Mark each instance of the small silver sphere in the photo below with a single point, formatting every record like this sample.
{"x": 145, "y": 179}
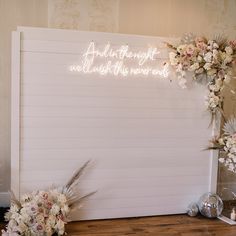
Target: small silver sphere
{"x": 210, "y": 205}
{"x": 192, "y": 209}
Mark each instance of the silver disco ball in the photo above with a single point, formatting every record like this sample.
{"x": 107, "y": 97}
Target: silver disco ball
{"x": 210, "y": 205}
{"x": 192, "y": 209}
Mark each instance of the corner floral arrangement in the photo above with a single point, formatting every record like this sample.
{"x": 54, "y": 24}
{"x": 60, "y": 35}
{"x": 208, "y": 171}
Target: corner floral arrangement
{"x": 227, "y": 144}
{"x": 44, "y": 212}
{"x": 209, "y": 61}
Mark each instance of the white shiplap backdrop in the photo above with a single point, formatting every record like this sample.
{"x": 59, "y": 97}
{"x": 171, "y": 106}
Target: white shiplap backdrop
{"x": 145, "y": 136}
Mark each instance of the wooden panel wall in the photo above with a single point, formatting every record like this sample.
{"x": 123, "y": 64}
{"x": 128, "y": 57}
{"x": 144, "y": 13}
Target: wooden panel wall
{"x": 145, "y": 136}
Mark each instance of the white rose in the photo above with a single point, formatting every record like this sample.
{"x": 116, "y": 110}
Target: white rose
{"x": 229, "y": 50}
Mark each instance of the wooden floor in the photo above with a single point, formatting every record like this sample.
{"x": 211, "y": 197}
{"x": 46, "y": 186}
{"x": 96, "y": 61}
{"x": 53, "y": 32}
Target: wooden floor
{"x": 179, "y": 225}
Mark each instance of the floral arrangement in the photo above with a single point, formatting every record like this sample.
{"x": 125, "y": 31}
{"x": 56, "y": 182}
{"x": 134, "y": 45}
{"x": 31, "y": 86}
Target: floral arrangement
{"x": 227, "y": 144}
{"x": 208, "y": 60}
{"x": 44, "y": 212}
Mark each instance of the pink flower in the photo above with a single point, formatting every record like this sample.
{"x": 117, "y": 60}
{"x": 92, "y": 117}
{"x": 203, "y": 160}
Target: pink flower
{"x": 39, "y": 227}
{"x": 232, "y": 43}
{"x": 201, "y": 43}
{"x": 190, "y": 49}
{"x": 49, "y": 205}
{"x": 234, "y": 136}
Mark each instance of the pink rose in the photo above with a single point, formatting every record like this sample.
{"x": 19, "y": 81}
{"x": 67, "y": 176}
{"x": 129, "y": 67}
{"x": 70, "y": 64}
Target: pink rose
{"x": 190, "y": 50}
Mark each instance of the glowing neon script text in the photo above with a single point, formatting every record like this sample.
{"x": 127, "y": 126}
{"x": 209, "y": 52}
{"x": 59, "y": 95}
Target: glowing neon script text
{"x": 115, "y": 62}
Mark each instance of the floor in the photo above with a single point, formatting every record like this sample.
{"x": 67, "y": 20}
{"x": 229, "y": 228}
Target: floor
{"x": 178, "y": 225}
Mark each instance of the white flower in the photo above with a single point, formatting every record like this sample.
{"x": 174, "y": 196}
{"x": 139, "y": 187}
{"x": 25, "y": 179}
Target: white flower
{"x": 199, "y": 58}
{"x": 22, "y": 227}
{"x": 208, "y": 57}
{"x": 221, "y": 141}
{"x": 207, "y": 66}
{"x": 9, "y": 233}
{"x": 40, "y": 218}
{"x": 60, "y": 226}
{"x": 199, "y": 71}
{"x": 228, "y": 59}
{"x": 214, "y": 87}
{"x": 221, "y": 160}
{"x": 181, "y": 48}
{"x": 14, "y": 209}
{"x": 55, "y": 209}
{"x": 212, "y": 100}
{"x": 215, "y": 53}
{"x": 51, "y": 220}
{"x": 215, "y": 45}
{"x": 194, "y": 67}
{"x": 228, "y": 50}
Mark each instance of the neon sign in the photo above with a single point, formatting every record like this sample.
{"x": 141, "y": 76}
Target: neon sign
{"x": 120, "y": 61}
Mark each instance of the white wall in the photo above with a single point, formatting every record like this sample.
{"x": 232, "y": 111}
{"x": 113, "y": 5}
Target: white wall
{"x": 149, "y": 17}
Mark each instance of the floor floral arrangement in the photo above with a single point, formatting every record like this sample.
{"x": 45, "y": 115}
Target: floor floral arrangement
{"x": 44, "y": 212}
{"x": 227, "y": 144}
